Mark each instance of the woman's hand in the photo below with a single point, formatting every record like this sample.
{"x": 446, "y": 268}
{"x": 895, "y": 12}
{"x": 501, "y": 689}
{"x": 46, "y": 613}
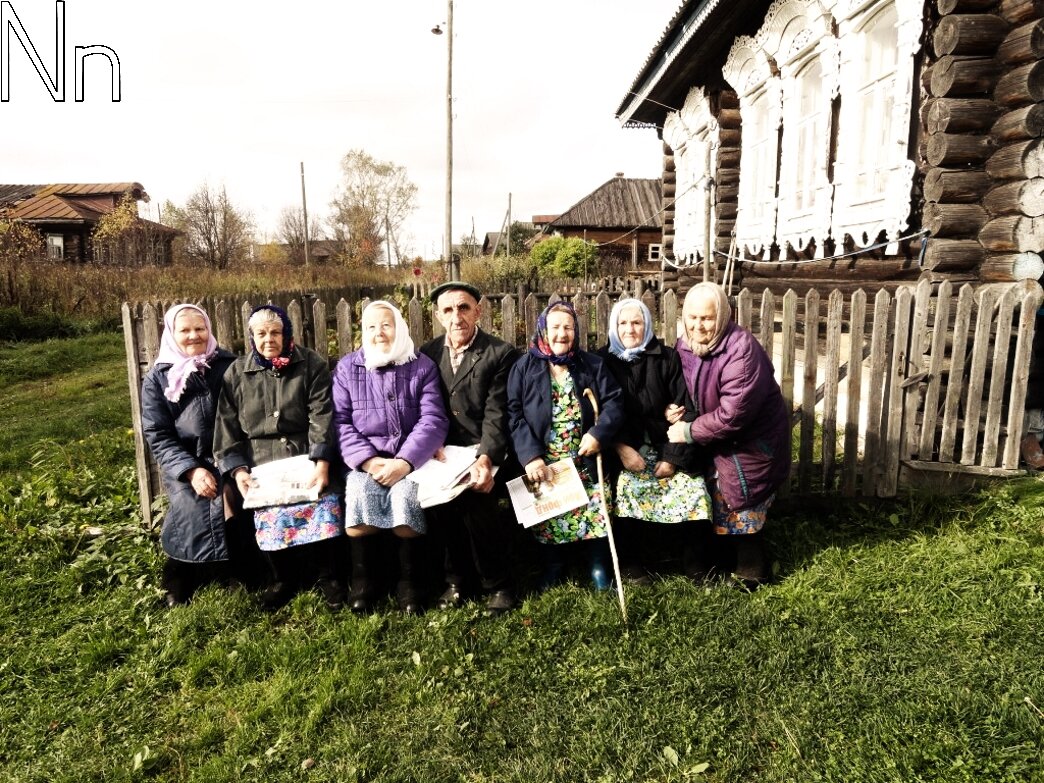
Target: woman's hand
{"x": 373, "y": 466}
{"x": 243, "y": 481}
{"x": 321, "y": 475}
{"x": 392, "y": 471}
{"x": 537, "y": 471}
{"x": 588, "y": 445}
{"x": 674, "y": 413}
{"x": 676, "y": 432}
{"x": 203, "y": 482}
{"x": 630, "y": 458}
{"x": 664, "y": 470}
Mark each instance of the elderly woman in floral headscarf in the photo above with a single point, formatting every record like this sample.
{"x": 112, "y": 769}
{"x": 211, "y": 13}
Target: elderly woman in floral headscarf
{"x": 550, "y": 419}
{"x": 741, "y": 421}
{"x": 275, "y": 403}
{"x": 179, "y": 400}
{"x": 655, "y": 481}
{"x": 390, "y": 420}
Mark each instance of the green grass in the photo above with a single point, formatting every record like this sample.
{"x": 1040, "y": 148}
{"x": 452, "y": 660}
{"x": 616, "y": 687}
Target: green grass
{"x": 900, "y": 642}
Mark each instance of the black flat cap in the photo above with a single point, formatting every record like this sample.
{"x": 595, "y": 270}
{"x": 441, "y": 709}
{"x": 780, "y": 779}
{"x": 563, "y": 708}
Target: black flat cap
{"x": 454, "y": 285}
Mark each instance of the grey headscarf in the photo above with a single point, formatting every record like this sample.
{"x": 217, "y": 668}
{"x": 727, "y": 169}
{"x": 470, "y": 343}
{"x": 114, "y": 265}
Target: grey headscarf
{"x": 724, "y": 314}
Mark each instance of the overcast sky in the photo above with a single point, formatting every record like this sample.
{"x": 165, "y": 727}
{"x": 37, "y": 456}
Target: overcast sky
{"x": 240, "y": 94}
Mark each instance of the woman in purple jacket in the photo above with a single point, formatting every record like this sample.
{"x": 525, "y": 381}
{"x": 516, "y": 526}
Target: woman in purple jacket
{"x": 390, "y": 420}
{"x": 741, "y": 420}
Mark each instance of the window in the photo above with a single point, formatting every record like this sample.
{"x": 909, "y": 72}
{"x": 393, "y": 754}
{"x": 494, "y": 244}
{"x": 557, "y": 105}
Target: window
{"x": 654, "y": 252}
{"x": 55, "y": 247}
{"x": 692, "y": 135}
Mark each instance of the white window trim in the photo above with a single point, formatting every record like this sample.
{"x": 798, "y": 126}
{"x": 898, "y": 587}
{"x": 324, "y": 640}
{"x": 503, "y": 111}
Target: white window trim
{"x": 691, "y": 133}
{"x": 56, "y": 242}
{"x": 889, "y": 212}
{"x": 749, "y": 72}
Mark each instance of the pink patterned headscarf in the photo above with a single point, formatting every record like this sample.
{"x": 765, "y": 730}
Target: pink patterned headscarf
{"x": 181, "y": 365}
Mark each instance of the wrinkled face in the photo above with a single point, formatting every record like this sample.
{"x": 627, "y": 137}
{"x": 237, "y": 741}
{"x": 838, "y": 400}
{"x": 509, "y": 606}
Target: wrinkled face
{"x": 378, "y": 325}
{"x": 630, "y": 326}
{"x": 560, "y": 332}
{"x": 268, "y": 337}
{"x": 191, "y": 333}
{"x": 700, "y": 315}
{"x": 458, "y": 312}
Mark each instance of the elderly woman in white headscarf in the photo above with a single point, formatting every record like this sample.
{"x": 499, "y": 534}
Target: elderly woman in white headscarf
{"x": 275, "y": 403}
{"x": 390, "y": 420}
{"x": 655, "y": 481}
{"x": 179, "y": 401}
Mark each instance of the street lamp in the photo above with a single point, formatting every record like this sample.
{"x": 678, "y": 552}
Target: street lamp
{"x": 454, "y": 268}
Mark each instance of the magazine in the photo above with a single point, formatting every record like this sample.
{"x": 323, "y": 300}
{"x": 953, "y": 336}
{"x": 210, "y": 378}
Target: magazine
{"x": 439, "y": 481}
{"x": 546, "y": 499}
{"x": 282, "y": 482}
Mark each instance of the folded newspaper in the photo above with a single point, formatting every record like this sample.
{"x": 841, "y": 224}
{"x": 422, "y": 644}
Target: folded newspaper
{"x": 439, "y": 481}
{"x": 534, "y": 503}
{"x": 281, "y": 483}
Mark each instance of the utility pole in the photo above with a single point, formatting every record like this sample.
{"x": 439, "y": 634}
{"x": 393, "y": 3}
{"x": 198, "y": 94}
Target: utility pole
{"x": 304, "y": 212}
{"x": 454, "y": 267}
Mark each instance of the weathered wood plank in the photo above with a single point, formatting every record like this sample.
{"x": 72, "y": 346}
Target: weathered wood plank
{"x": 936, "y": 363}
{"x": 810, "y": 356}
{"x": 831, "y": 369}
{"x": 888, "y": 480}
{"x": 1031, "y": 301}
{"x": 873, "y": 446}
{"x": 857, "y": 340}
{"x": 955, "y": 378}
{"x": 134, "y": 378}
{"x": 976, "y": 375}
{"x": 915, "y": 366}
{"x": 767, "y": 332}
{"x": 787, "y": 360}
{"x": 744, "y": 304}
{"x": 995, "y": 399}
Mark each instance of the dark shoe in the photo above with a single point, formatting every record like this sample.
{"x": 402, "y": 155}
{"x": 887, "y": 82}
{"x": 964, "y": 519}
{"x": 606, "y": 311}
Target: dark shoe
{"x": 500, "y": 601}
{"x": 172, "y": 599}
{"x": 411, "y": 606}
{"x": 360, "y": 605}
{"x": 451, "y": 598}
{"x": 746, "y": 584}
{"x": 333, "y": 594}
{"x": 277, "y": 595}
{"x": 635, "y": 575}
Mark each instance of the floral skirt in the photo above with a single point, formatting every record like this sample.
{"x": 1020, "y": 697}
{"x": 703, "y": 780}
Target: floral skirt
{"x": 680, "y": 498}
{"x": 281, "y": 527}
{"x": 581, "y": 523}
{"x": 747, "y": 520}
{"x": 370, "y": 503}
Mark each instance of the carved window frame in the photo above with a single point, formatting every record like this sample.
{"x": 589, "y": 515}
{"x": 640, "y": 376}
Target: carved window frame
{"x": 873, "y": 169}
{"x": 692, "y": 135}
{"x": 750, "y": 73}
{"x": 798, "y": 36}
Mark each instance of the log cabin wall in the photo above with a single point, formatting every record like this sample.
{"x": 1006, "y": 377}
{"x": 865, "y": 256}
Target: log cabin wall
{"x": 981, "y": 146}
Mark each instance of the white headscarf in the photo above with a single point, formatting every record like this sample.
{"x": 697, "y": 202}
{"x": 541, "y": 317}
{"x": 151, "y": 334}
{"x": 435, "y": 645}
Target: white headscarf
{"x": 723, "y": 314}
{"x": 182, "y": 365}
{"x": 402, "y": 350}
{"x": 616, "y": 346}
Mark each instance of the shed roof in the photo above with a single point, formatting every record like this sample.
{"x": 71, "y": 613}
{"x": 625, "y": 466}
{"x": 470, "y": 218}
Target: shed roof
{"x": 75, "y": 201}
{"x": 621, "y": 202}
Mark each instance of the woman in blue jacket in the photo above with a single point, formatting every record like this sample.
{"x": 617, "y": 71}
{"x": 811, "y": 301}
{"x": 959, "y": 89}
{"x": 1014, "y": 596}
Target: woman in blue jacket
{"x": 550, "y": 419}
{"x": 179, "y": 401}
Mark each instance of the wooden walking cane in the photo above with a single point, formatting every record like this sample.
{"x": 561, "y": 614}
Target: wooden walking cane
{"x": 605, "y": 512}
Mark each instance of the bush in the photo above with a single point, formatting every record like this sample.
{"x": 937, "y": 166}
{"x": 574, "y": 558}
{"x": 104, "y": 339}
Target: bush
{"x": 15, "y": 325}
{"x": 572, "y": 257}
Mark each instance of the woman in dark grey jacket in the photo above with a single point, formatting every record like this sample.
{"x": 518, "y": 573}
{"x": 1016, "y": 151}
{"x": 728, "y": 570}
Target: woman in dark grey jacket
{"x": 179, "y": 400}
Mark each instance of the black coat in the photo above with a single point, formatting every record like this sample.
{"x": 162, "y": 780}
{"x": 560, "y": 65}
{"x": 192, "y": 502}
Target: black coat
{"x": 181, "y": 437}
{"x": 649, "y": 385}
{"x": 476, "y": 395}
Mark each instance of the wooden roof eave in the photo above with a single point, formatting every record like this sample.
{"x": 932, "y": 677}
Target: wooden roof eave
{"x": 689, "y": 53}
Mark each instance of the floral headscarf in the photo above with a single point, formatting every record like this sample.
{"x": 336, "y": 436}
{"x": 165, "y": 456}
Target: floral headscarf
{"x": 283, "y": 359}
{"x": 540, "y": 347}
{"x": 402, "y": 349}
{"x": 616, "y": 346}
{"x": 182, "y": 365}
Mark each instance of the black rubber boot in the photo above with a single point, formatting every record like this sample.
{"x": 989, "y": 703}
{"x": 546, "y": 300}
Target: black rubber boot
{"x": 284, "y": 579}
{"x": 360, "y": 600}
{"x": 408, "y": 592}
{"x": 751, "y": 571}
{"x": 701, "y": 552}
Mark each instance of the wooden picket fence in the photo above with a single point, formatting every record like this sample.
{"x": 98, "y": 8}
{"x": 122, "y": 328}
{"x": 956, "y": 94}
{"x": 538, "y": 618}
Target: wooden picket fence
{"x": 925, "y": 382}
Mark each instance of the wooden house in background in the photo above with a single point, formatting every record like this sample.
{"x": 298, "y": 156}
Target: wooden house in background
{"x": 624, "y": 216}
{"x": 850, "y": 143}
{"x": 67, "y": 215}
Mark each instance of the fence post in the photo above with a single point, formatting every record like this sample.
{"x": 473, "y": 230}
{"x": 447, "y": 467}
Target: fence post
{"x": 991, "y": 433}
{"x": 888, "y": 481}
{"x": 955, "y": 380}
{"x": 810, "y": 355}
{"x": 831, "y": 380}
{"x": 134, "y": 357}
{"x": 1031, "y": 300}
{"x": 873, "y": 446}
{"x": 856, "y": 334}
{"x": 345, "y": 341}
{"x": 508, "y": 320}
{"x": 940, "y": 326}
{"x": 787, "y": 363}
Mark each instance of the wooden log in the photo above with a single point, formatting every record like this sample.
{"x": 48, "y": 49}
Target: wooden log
{"x": 1021, "y": 197}
{"x": 1013, "y": 233}
{"x": 853, "y": 268}
{"x": 1011, "y": 267}
{"x": 1026, "y": 122}
{"x": 969, "y": 34}
{"x": 669, "y": 176}
{"x": 727, "y": 192}
{"x": 729, "y": 137}
{"x": 1023, "y": 44}
{"x": 953, "y": 255}
{"x": 962, "y": 6}
{"x": 960, "y": 115}
{"x": 1019, "y": 11}
{"x": 669, "y": 189}
{"x": 727, "y": 176}
{"x": 953, "y": 220}
{"x": 959, "y": 149}
{"x": 1024, "y": 84}
{"x": 955, "y": 187}
{"x": 729, "y": 118}
{"x": 956, "y": 76}
{"x": 668, "y": 161}
{"x": 729, "y": 157}
{"x": 1022, "y": 160}
{"x": 727, "y": 99}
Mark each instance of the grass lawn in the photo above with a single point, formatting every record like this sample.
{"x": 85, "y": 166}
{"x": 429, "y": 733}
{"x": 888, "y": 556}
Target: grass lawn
{"x": 900, "y": 642}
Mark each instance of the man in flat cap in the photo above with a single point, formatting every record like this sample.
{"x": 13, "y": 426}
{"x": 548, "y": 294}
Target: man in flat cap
{"x": 474, "y": 367}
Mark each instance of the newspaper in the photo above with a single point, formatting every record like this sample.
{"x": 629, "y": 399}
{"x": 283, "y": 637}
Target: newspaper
{"x": 534, "y": 504}
{"x": 281, "y": 483}
{"x": 439, "y": 481}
